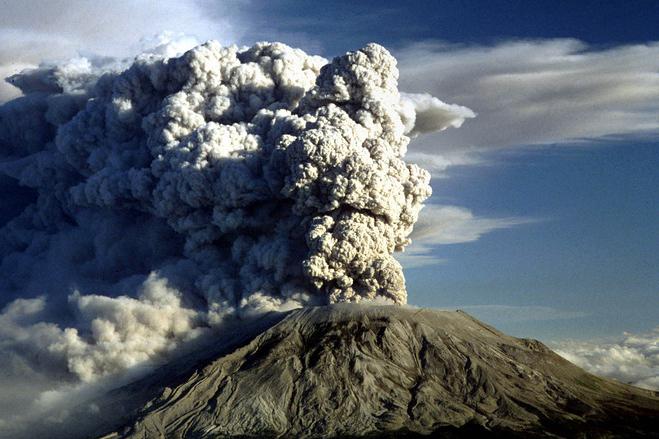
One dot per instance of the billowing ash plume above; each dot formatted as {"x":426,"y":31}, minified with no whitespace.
{"x":166,"y":196}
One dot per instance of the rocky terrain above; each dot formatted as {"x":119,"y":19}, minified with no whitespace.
{"x":351,"y":370}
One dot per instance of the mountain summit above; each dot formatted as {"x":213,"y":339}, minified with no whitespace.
{"x":361,"y":370}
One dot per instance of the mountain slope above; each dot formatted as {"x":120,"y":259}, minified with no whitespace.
{"x":349,"y":370}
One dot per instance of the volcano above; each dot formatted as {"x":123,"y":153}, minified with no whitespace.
{"x":351,"y":370}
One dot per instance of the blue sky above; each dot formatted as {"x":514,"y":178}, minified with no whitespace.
{"x":545,"y":204}
{"x":592,"y":250}
{"x":338,"y":26}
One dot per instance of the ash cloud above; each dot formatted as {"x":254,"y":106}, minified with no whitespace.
{"x":154,"y":201}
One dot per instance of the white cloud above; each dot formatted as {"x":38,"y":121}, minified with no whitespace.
{"x":34,"y":31}
{"x":440,"y":224}
{"x":633,"y":359}
{"x":536,"y":92}
{"x":437,"y":164}
{"x":431,"y":115}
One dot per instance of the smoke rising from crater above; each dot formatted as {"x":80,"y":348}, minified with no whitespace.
{"x":155,"y":201}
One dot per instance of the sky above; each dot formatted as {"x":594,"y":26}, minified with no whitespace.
{"x":544,"y":214}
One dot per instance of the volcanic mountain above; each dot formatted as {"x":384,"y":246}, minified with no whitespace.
{"x":372,"y":371}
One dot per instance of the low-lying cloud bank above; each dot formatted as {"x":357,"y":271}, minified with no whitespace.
{"x":155,"y":201}
{"x":634,"y":359}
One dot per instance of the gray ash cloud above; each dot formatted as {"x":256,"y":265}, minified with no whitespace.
{"x":152,"y":202}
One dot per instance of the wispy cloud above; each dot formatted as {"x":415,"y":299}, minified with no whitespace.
{"x":632,"y":359}
{"x":536,"y":92}
{"x":438,"y":163}
{"x":440,"y":224}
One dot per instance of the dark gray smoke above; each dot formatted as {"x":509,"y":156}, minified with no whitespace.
{"x":148,"y":204}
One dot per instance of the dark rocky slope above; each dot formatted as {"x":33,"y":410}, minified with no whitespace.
{"x":349,"y":370}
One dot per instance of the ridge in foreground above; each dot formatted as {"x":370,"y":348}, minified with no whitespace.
{"x":361,"y":370}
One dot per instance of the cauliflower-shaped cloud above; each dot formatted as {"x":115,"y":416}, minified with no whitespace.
{"x":248,"y":178}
